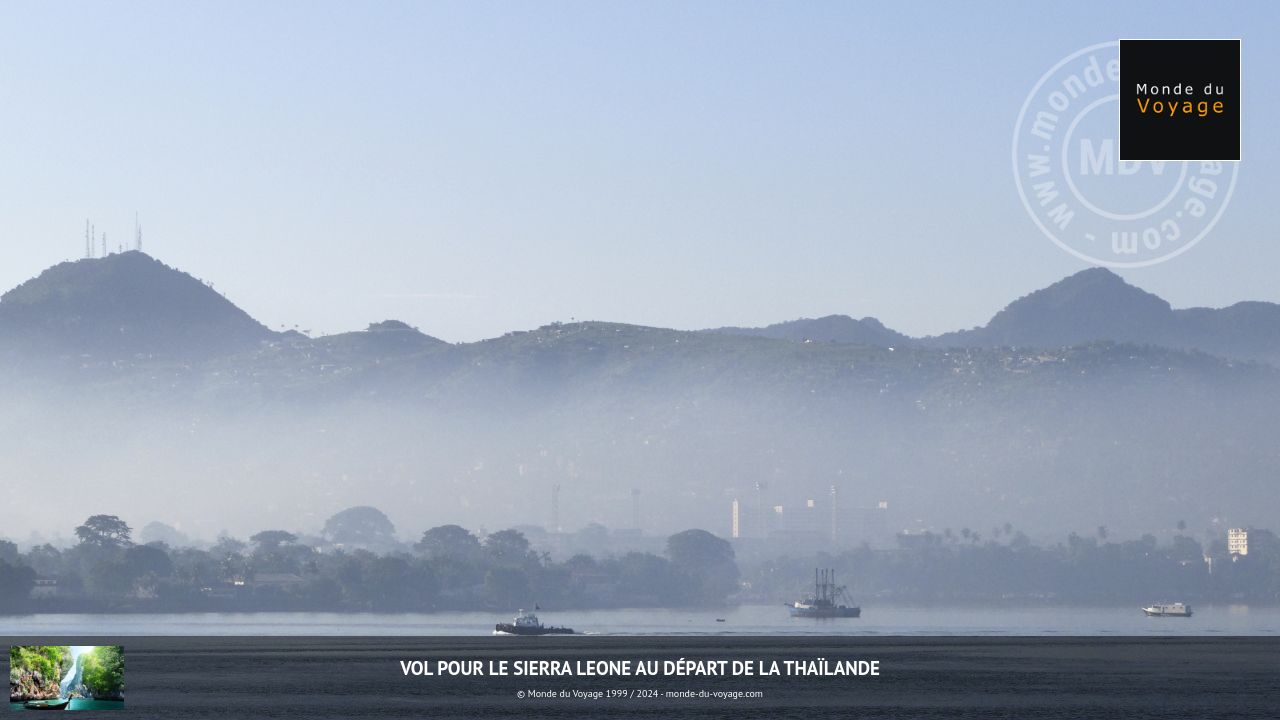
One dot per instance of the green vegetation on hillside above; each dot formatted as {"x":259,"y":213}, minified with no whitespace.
{"x":103,"y":671}
{"x":36,"y":670}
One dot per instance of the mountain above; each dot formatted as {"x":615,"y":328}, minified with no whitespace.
{"x":129,"y":304}
{"x":1097,"y":305}
{"x":1249,"y":330}
{"x":832,"y":328}
{"x":122,"y":306}
{"x":1014,"y":422}
{"x":1091,"y":305}
{"x":1094,"y":305}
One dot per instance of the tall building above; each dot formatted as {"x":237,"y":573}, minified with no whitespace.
{"x":1238,"y":541}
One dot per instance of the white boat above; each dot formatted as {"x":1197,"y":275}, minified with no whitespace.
{"x":526,"y":623}
{"x":1167,"y":610}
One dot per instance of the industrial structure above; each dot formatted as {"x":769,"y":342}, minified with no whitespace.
{"x":95,"y":246}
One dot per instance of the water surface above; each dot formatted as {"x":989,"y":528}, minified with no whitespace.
{"x":1209,"y":620}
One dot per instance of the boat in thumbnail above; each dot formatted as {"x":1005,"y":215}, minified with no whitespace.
{"x":1167,"y":610}
{"x":59,"y":704}
{"x":827,"y":601}
{"x":526,"y":623}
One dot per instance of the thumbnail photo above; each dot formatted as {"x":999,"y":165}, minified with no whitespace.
{"x":66,"y":677}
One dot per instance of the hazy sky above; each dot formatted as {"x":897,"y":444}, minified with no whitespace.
{"x":473,"y":168}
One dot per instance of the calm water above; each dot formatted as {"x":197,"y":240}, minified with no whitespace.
{"x":744,"y":620}
{"x":82,"y":704}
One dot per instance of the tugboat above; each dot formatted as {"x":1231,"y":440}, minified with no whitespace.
{"x":825,"y":600}
{"x":526,"y":623}
{"x":1168,"y":610}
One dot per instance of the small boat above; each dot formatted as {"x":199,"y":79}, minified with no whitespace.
{"x":825,"y":602}
{"x":719,"y":619}
{"x":46,"y":704}
{"x":526,"y":623}
{"x":1168,"y":610}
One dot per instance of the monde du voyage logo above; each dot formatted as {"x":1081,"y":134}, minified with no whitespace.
{"x":1124,"y":152}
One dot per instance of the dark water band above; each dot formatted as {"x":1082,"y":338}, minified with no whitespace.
{"x":938,"y":677}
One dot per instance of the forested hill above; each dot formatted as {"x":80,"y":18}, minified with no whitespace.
{"x":1093,"y":305}
{"x":122,"y":306}
{"x":1135,"y":437}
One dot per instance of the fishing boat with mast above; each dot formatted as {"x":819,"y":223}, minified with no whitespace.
{"x":828,"y":600}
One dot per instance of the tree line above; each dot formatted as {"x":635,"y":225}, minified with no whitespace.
{"x":356,"y":564}
{"x":963,"y":567}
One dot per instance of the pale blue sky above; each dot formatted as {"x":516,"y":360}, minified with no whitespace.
{"x":473,"y":168}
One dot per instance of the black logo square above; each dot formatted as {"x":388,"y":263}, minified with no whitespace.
{"x":1179,"y":99}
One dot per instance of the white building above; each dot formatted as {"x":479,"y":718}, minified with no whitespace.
{"x":1238,"y":541}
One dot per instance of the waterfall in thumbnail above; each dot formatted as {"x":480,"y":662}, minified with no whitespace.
{"x":72,"y":679}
